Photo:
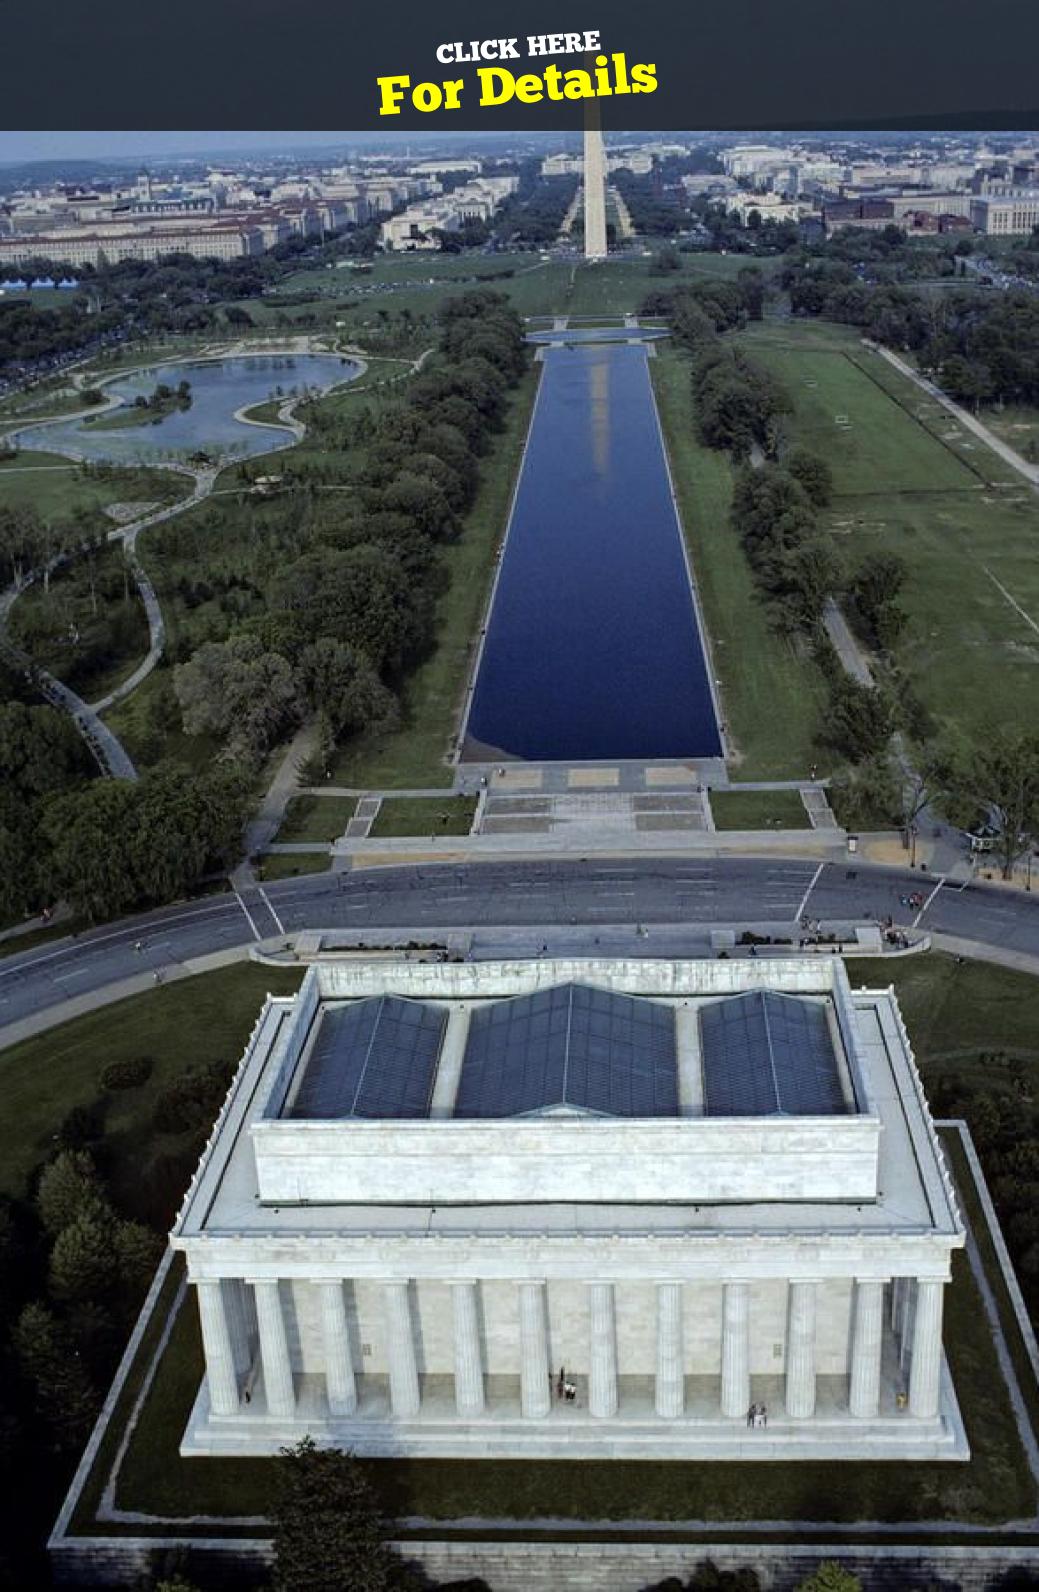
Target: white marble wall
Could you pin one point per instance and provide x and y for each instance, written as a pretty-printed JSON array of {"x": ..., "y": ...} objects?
[
  {"x": 698, "y": 1160},
  {"x": 568, "y": 1326}
]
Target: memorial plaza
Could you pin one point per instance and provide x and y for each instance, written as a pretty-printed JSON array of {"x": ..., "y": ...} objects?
[{"x": 706, "y": 1196}]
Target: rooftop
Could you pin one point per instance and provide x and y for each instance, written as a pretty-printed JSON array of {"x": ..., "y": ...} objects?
[{"x": 298, "y": 1131}]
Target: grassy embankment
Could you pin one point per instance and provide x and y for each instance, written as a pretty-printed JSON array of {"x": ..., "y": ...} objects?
[
  {"x": 771, "y": 692},
  {"x": 910, "y": 480}
]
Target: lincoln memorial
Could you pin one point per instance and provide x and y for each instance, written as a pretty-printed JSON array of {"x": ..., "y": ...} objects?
[{"x": 438, "y": 1191}]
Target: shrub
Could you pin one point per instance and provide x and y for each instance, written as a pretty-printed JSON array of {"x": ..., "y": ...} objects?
[{"x": 127, "y": 1073}]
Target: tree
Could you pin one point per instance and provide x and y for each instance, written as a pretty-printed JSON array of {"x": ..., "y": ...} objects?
[
  {"x": 138, "y": 1251},
  {"x": 830, "y": 1577},
  {"x": 872, "y": 594},
  {"x": 240, "y": 690},
  {"x": 859, "y": 719},
  {"x": 65, "y": 1397},
  {"x": 327, "y": 1531},
  {"x": 69, "y": 1188},
  {"x": 997, "y": 783},
  {"x": 865, "y": 795},
  {"x": 814, "y": 475},
  {"x": 84, "y": 1264}
]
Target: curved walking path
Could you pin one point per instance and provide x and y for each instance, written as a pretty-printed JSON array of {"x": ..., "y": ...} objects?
[{"x": 111, "y": 755}]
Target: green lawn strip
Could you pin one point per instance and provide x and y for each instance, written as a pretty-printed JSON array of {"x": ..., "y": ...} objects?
[
  {"x": 972, "y": 1209},
  {"x": 758, "y": 809},
  {"x": 55, "y": 487},
  {"x": 994, "y": 1486},
  {"x": 933, "y": 416},
  {"x": 316, "y": 818},
  {"x": 854, "y": 423},
  {"x": 424, "y": 815},
  {"x": 772, "y": 694},
  {"x": 41, "y": 936},
  {"x": 969, "y": 652},
  {"x": 956, "y": 1011},
  {"x": 84, "y": 1516},
  {"x": 266, "y": 413},
  {"x": 415, "y": 755},
  {"x": 205, "y": 1020},
  {"x": 289, "y": 865}
]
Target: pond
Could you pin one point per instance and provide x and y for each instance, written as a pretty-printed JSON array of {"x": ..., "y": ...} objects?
[
  {"x": 593, "y": 647},
  {"x": 218, "y": 389}
]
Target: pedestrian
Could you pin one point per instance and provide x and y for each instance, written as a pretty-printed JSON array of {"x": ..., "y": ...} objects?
[
  {"x": 763, "y": 1414},
  {"x": 752, "y": 1415},
  {"x": 571, "y": 1393},
  {"x": 138, "y": 946},
  {"x": 561, "y": 1384},
  {"x": 157, "y": 976}
]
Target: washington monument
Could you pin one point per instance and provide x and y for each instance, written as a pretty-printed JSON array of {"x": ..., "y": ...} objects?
[{"x": 594, "y": 194}]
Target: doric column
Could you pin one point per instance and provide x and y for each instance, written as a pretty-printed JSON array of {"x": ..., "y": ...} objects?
[
  {"x": 274, "y": 1349},
  {"x": 670, "y": 1389},
  {"x": 735, "y": 1348},
  {"x": 925, "y": 1368},
  {"x": 602, "y": 1360},
  {"x": 340, "y": 1386},
  {"x": 221, "y": 1377},
  {"x": 237, "y": 1323},
  {"x": 535, "y": 1389},
  {"x": 864, "y": 1378},
  {"x": 400, "y": 1350},
  {"x": 469, "y": 1394},
  {"x": 800, "y": 1351}
]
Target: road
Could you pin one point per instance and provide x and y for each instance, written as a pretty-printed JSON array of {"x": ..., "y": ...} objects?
[{"x": 640, "y": 906}]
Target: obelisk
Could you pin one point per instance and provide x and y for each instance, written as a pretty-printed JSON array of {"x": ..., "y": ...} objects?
[{"x": 594, "y": 193}]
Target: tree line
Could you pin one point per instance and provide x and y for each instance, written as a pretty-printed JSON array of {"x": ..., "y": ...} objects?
[
  {"x": 348, "y": 610},
  {"x": 105, "y": 846}
]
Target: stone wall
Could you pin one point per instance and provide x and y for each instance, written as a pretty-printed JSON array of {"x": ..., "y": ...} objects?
[{"x": 567, "y": 1567}]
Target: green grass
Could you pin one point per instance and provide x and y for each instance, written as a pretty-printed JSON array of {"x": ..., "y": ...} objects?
[
  {"x": 772, "y": 694},
  {"x": 881, "y": 447},
  {"x": 204, "y": 1021},
  {"x": 56, "y": 488},
  {"x": 289, "y": 865},
  {"x": 971, "y": 655},
  {"x": 956, "y": 1011},
  {"x": 42, "y": 936},
  {"x": 316, "y": 818},
  {"x": 424, "y": 815},
  {"x": 911, "y": 481},
  {"x": 758, "y": 809},
  {"x": 416, "y": 754},
  {"x": 970, "y": 1204}
]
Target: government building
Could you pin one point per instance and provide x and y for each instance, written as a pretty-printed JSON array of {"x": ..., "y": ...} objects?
[{"x": 586, "y": 1208}]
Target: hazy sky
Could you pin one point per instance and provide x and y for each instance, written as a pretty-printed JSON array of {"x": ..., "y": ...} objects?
[{"x": 99, "y": 145}]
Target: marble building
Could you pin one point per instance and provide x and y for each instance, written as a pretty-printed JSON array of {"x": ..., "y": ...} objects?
[{"x": 685, "y": 1187}]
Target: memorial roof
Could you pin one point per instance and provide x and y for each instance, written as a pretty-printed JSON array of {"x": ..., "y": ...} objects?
[
  {"x": 766, "y": 1054},
  {"x": 373, "y": 1058},
  {"x": 575, "y": 1046}
]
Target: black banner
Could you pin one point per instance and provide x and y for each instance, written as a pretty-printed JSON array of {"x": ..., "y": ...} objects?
[{"x": 311, "y": 64}]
